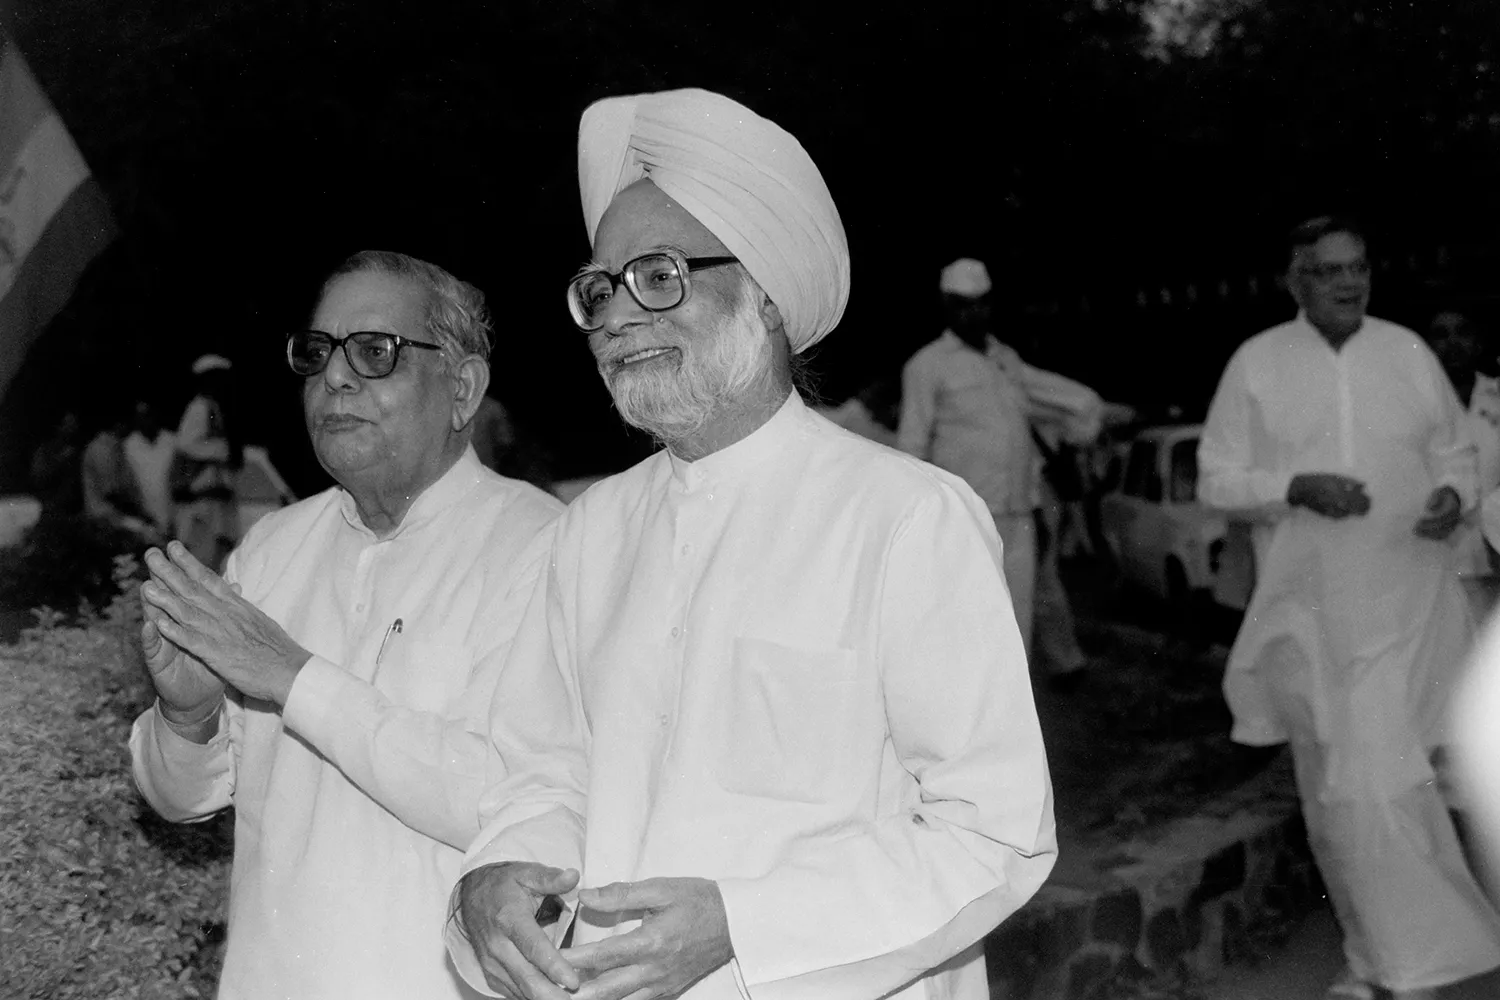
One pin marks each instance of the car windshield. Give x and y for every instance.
(1185, 471)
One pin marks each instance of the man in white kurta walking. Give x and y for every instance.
(340, 701)
(1339, 435)
(964, 409)
(814, 762)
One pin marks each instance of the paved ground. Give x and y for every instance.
(1308, 963)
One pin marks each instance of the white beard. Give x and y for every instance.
(719, 366)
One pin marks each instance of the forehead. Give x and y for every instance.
(370, 300)
(643, 218)
(1332, 248)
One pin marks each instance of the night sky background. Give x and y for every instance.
(1128, 169)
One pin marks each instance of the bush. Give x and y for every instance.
(98, 897)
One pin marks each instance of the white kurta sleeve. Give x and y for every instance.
(182, 780)
(431, 769)
(185, 782)
(862, 914)
(918, 408)
(1233, 473)
(534, 813)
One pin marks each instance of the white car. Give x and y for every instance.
(1162, 539)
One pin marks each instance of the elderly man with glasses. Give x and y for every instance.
(1338, 435)
(334, 687)
(814, 767)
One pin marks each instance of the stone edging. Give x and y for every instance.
(1177, 900)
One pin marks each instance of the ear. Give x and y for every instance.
(470, 380)
(1288, 281)
(770, 314)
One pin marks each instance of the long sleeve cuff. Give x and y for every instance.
(182, 780)
(320, 699)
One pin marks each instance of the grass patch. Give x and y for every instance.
(98, 897)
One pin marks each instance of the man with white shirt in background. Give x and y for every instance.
(1469, 361)
(149, 448)
(1339, 436)
(334, 687)
(814, 765)
(965, 411)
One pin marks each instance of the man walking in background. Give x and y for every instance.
(962, 411)
(1339, 436)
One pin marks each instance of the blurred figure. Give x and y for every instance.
(208, 458)
(57, 468)
(964, 412)
(149, 448)
(502, 447)
(493, 436)
(871, 413)
(1339, 435)
(112, 495)
(1462, 349)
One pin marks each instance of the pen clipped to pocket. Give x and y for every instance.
(391, 633)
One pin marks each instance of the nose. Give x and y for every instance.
(337, 375)
(623, 312)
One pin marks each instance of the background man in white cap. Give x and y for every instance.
(814, 763)
(963, 411)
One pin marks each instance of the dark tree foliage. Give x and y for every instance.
(248, 144)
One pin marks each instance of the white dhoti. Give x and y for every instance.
(1351, 644)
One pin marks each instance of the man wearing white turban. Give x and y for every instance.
(813, 761)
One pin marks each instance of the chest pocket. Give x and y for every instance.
(424, 675)
(791, 721)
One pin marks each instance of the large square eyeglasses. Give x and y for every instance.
(369, 353)
(658, 281)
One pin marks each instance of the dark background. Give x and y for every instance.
(1126, 168)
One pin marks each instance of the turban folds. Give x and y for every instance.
(746, 179)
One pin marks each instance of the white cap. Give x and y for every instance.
(967, 277)
(211, 362)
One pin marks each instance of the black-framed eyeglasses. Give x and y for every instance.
(370, 354)
(658, 281)
(1327, 271)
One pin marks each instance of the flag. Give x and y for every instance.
(54, 218)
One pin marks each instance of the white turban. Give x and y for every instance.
(746, 179)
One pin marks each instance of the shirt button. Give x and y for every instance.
(686, 549)
(663, 720)
(359, 607)
(676, 631)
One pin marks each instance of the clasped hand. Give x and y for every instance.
(201, 615)
(1337, 496)
(683, 935)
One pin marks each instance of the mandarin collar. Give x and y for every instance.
(1305, 327)
(784, 427)
(450, 487)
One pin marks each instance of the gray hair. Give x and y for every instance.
(457, 318)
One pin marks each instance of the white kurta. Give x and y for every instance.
(801, 680)
(1355, 628)
(354, 806)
